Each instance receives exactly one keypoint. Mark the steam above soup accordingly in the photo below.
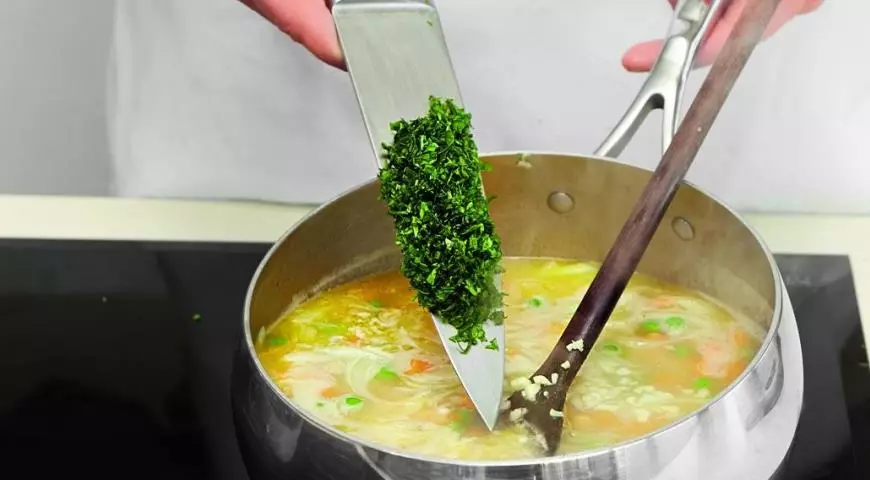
(366, 359)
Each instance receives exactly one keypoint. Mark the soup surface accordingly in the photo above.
(366, 359)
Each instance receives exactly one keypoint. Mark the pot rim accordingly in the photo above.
(772, 332)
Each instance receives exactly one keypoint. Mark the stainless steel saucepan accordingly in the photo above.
(548, 205)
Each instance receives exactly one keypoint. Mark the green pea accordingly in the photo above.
(651, 326)
(702, 383)
(464, 421)
(465, 415)
(675, 322)
(536, 302)
(386, 374)
(276, 341)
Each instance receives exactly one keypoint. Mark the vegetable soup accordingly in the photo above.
(365, 358)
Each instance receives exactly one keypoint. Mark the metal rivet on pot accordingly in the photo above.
(560, 202)
(683, 228)
(523, 161)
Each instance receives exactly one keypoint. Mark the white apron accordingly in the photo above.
(210, 101)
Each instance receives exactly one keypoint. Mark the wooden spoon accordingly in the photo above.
(542, 415)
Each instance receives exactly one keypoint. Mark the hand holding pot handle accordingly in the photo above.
(641, 57)
(663, 88)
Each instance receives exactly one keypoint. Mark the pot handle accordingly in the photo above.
(771, 390)
(663, 88)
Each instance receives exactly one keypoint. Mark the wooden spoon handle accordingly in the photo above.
(625, 254)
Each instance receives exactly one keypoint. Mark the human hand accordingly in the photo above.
(308, 22)
(640, 58)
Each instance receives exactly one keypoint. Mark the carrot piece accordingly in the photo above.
(735, 369)
(741, 338)
(330, 392)
(418, 366)
(663, 302)
(708, 348)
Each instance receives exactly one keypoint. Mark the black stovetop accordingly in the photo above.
(115, 361)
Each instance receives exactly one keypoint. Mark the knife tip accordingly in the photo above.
(480, 370)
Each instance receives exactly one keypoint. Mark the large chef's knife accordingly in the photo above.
(397, 57)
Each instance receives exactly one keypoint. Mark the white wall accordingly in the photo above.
(52, 83)
(795, 122)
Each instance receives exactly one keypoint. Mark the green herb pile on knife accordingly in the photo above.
(450, 251)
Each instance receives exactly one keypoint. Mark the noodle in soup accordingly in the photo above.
(366, 359)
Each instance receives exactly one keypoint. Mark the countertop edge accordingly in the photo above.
(138, 219)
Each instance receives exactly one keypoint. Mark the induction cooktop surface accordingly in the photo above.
(115, 360)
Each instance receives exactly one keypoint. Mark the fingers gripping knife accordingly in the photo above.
(397, 57)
